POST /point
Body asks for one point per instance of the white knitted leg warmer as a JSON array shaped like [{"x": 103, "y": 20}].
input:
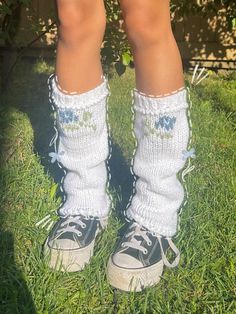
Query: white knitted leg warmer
[
  {"x": 162, "y": 134},
  {"x": 82, "y": 149}
]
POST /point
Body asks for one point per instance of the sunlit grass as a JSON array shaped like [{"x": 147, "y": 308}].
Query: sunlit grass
[{"x": 205, "y": 279}]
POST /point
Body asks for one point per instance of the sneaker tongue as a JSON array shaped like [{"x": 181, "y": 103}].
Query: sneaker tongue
[
  {"x": 138, "y": 238},
  {"x": 132, "y": 251},
  {"x": 72, "y": 236}
]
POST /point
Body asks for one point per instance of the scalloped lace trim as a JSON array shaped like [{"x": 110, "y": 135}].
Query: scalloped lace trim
[
  {"x": 83, "y": 100},
  {"x": 154, "y": 105}
]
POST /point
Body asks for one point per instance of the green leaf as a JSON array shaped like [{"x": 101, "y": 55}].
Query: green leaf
[
  {"x": 233, "y": 23},
  {"x": 126, "y": 58},
  {"x": 53, "y": 190},
  {"x": 87, "y": 115}
]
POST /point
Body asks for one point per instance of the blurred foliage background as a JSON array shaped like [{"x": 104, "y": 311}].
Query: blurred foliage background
[{"x": 32, "y": 23}]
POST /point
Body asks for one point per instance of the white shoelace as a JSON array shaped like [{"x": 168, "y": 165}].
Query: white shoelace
[
  {"x": 136, "y": 244},
  {"x": 133, "y": 242},
  {"x": 65, "y": 226}
]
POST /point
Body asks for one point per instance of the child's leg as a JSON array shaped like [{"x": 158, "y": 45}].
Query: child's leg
[
  {"x": 158, "y": 66},
  {"x": 81, "y": 31},
  {"x": 162, "y": 133},
  {"x": 82, "y": 144}
]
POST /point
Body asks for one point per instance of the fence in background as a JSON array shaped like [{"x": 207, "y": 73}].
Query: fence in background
[{"x": 205, "y": 40}]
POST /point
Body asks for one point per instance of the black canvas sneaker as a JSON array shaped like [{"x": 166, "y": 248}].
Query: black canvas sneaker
[
  {"x": 70, "y": 243},
  {"x": 138, "y": 260}
]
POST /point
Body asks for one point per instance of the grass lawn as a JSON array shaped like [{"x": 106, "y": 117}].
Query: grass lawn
[{"x": 205, "y": 280}]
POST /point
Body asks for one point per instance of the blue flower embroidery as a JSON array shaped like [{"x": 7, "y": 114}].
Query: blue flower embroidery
[
  {"x": 67, "y": 116},
  {"x": 72, "y": 120},
  {"x": 165, "y": 122}
]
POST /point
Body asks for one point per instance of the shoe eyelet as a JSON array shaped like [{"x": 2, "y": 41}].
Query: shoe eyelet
[
  {"x": 83, "y": 226},
  {"x": 149, "y": 243},
  {"x": 145, "y": 252}
]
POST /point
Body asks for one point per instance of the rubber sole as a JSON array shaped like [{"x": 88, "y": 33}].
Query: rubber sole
[
  {"x": 133, "y": 279},
  {"x": 71, "y": 260},
  {"x": 68, "y": 260}
]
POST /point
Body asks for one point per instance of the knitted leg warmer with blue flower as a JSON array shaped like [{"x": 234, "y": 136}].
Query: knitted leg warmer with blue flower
[
  {"x": 82, "y": 149},
  {"x": 162, "y": 134}
]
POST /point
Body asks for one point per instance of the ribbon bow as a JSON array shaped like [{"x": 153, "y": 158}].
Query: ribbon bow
[
  {"x": 188, "y": 154},
  {"x": 56, "y": 156}
]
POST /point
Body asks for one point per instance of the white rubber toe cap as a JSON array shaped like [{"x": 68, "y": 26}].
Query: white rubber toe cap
[{"x": 126, "y": 261}]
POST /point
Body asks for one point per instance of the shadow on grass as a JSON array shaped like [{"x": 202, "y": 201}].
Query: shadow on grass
[
  {"x": 32, "y": 99},
  {"x": 121, "y": 179},
  {"x": 14, "y": 293},
  {"x": 15, "y": 296}
]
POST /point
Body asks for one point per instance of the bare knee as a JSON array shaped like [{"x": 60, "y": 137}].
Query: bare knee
[
  {"x": 79, "y": 23},
  {"x": 145, "y": 28}
]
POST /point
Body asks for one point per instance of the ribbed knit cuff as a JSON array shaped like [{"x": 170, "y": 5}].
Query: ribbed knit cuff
[
  {"x": 157, "y": 105},
  {"x": 75, "y": 101}
]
